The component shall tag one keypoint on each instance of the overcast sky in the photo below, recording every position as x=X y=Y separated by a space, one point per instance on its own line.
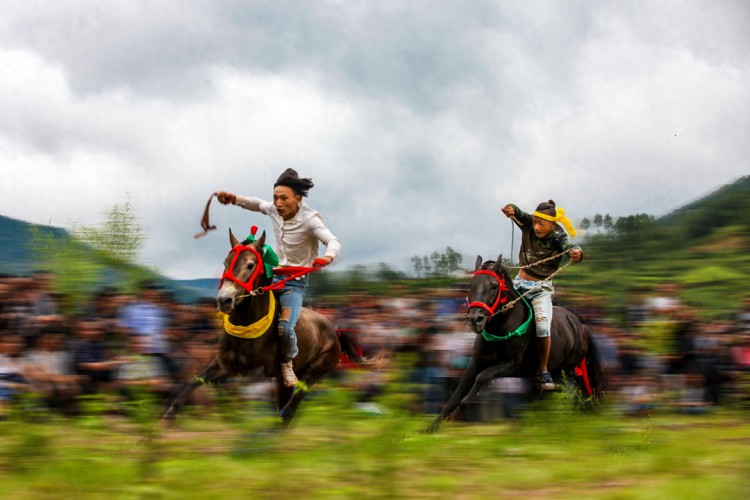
x=417 y=120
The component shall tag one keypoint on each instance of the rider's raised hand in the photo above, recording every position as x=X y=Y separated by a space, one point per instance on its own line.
x=509 y=211
x=575 y=255
x=225 y=198
x=322 y=261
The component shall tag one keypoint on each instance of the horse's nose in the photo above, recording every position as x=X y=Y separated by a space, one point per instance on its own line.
x=225 y=303
x=476 y=321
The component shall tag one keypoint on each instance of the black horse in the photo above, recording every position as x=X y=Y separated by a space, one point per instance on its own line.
x=496 y=313
x=250 y=339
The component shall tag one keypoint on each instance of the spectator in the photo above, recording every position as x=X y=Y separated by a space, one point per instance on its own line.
x=146 y=317
x=48 y=368
x=105 y=307
x=640 y=396
x=636 y=312
x=666 y=302
x=41 y=304
x=604 y=336
x=6 y=313
x=683 y=351
x=12 y=380
x=740 y=351
x=90 y=357
x=428 y=375
x=743 y=317
x=44 y=303
x=142 y=372
x=16 y=310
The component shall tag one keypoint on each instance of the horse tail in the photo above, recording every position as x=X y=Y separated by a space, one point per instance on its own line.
x=594 y=365
x=352 y=352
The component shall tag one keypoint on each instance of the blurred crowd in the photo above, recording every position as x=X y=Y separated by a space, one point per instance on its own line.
x=120 y=346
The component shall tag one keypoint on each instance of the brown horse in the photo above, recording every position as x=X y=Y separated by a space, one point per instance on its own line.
x=504 y=346
x=254 y=341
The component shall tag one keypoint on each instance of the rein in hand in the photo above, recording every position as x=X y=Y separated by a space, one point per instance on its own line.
x=291 y=272
x=513 y=302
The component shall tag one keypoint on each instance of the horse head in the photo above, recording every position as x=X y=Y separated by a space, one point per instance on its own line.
x=243 y=270
x=489 y=289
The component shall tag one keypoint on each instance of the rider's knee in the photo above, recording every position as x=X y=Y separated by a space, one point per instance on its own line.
x=285 y=328
x=286 y=313
x=542 y=330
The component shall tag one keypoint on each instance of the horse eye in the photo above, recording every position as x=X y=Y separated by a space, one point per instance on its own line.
x=250 y=266
x=494 y=286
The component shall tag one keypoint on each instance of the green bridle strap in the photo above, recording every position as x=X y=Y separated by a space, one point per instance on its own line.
x=489 y=337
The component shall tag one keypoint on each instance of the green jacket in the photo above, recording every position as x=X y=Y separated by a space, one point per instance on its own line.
x=534 y=249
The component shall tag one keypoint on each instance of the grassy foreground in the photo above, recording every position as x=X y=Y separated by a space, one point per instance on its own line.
x=335 y=451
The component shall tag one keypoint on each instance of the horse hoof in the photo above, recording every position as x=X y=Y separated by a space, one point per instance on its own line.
x=166 y=422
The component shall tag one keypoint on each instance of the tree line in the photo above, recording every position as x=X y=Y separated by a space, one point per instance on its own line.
x=437 y=263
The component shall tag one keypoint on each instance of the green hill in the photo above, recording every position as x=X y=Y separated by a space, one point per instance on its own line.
x=16 y=259
x=725 y=203
x=704 y=247
x=15 y=236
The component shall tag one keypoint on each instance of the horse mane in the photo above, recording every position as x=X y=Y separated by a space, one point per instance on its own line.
x=490 y=264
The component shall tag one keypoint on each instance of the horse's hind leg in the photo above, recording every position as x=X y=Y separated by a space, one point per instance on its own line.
x=312 y=374
x=209 y=374
x=283 y=396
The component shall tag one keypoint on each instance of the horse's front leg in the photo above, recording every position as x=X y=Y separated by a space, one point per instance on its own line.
x=209 y=374
x=486 y=376
x=466 y=382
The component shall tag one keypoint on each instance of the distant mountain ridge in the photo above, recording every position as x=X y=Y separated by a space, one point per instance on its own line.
x=730 y=197
x=15 y=239
x=16 y=259
x=726 y=206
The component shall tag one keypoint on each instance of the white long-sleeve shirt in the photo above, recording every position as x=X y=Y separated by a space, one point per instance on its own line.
x=297 y=238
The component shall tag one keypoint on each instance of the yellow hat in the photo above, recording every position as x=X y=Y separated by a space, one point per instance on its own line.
x=558 y=217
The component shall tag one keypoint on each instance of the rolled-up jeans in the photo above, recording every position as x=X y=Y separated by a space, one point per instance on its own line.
x=290 y=297
x=541 y=302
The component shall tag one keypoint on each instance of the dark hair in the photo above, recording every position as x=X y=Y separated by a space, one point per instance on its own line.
x=547 y=207
x=291 y=179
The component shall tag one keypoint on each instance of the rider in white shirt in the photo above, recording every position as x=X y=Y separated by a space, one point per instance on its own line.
x=298 y=230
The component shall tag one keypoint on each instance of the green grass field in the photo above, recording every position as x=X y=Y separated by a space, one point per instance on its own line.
x=335 y=451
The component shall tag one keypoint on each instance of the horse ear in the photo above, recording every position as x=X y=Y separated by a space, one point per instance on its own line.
x=499 y=263
x=261 y=241
x=478 y=263
x=232 y=239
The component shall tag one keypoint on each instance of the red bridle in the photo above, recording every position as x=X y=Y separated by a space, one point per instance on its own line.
x=229 y=273
x=500 y=299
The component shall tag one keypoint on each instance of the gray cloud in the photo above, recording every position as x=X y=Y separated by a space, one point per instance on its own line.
x=417 y=120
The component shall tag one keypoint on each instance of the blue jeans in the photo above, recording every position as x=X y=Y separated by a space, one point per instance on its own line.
x=541 y=303
x=290 y=297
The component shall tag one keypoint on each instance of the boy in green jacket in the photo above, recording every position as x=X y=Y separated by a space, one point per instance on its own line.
x=542 y=237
